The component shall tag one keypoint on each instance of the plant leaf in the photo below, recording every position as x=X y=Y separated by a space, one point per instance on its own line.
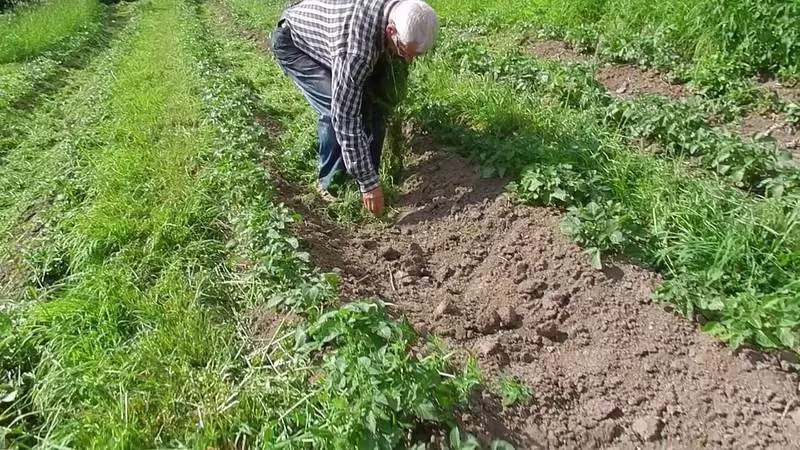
x=787 y=337
x=763 y=340
x=594 y=252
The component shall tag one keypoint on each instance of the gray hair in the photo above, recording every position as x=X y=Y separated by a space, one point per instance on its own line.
x=416 y=22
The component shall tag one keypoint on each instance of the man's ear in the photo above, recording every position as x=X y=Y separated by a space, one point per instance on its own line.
x=391 y=30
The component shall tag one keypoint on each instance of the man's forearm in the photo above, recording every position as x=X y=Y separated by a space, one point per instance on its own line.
x=349 y=76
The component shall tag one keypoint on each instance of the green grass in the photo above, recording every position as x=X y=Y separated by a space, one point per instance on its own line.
x=40 y=144
x=163 y=238
x=512 y=391
x=30 y=30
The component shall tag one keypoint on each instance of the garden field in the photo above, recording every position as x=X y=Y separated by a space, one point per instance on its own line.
x=592 y=237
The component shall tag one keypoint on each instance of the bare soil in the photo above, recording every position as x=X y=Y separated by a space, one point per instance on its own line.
x=784 y=93
x=555 y=51
x=608 y=367
x=623 y=80
x=775 y=127
x=629 y=81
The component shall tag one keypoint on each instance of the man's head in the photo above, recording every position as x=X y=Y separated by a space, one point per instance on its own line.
x=412 y=29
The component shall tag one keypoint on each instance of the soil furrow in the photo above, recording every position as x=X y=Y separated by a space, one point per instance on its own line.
x=607 y=366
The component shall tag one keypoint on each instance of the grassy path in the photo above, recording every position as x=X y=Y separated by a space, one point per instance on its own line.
x=42 y=144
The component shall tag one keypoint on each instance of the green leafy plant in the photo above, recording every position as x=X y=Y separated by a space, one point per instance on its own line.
x=512 y=391
x=560 y=185
x=600 y=227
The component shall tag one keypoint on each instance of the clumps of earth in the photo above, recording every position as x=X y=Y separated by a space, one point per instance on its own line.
x=607 y=366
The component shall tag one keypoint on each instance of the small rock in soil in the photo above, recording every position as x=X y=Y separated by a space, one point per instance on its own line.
x=600 y=409
x=677 y=365
x=441 y=309
x=636 y=400
x=550 y=331
x=648 y=428
x=522 y=268
x=390 y=254
x=403 y=278
x=532 y=288
x=508 y=316
x=796 y=416
x=369 y=244
x=777 y=406
x=488 y=321
x=558 y=298
x=444 y=273
x=489 y=347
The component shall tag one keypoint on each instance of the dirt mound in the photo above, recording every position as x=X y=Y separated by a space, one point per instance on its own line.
x=606 y=365
x=629 y=81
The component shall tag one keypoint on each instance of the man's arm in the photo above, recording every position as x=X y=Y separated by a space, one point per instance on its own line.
x=349 y=74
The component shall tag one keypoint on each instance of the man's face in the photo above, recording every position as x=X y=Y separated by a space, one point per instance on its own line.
x=406 y=52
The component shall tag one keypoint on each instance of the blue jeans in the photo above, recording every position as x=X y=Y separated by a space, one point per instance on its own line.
x=314 y=81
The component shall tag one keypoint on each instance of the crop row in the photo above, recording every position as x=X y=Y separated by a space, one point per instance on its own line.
x=729 y=257
x=715 y=45
x=677 y=128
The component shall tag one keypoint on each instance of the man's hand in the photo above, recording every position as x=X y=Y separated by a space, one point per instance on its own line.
x=373 y=200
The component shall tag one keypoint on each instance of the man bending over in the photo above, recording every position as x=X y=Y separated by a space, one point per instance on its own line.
x=337 y=53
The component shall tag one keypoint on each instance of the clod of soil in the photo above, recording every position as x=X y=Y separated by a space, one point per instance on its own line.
x=608 y=367
x=390 y=254
x=442 y=309
x=648 y=428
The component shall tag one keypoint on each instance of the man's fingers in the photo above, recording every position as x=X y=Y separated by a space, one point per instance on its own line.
x=374 y=205
x=373 y=201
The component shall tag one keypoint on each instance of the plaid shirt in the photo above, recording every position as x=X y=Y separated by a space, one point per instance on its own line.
x=346 y=36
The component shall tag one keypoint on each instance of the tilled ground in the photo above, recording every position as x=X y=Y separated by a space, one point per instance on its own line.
x=608 y=368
